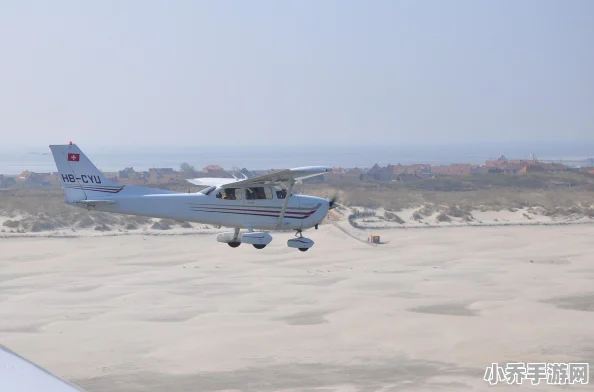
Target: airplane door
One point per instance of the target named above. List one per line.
(229, 202)
(261, 207)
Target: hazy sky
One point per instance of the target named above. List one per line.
(307, 72)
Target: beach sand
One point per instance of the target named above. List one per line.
(428, 311)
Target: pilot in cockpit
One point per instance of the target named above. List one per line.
(281, 193)
(228, 194)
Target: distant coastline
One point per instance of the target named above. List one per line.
(113, 158)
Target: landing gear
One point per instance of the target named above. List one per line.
(231, 239)
(301, 243)
(235, 238)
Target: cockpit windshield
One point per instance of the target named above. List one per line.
(207, 191)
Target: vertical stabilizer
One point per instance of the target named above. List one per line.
(80, 179)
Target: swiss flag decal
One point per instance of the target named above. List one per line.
(74, 157)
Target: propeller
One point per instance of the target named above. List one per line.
(332, 202)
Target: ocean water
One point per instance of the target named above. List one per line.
(39, 158)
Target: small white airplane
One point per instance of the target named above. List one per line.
(260, 203)
(18, 374)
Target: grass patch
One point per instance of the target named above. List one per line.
(442, 217)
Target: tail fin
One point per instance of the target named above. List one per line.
(80, 178)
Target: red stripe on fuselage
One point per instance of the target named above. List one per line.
(252, 210)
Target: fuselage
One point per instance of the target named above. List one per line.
(240, 208)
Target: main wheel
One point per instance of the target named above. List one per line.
(303, 249)
(259, 246)
(234, 244)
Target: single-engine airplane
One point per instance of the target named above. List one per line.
(259, 203)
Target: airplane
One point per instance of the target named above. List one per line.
(18, 374)
(259, 203)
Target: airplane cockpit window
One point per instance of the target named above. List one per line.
(229, 194)
(208, 191)
(281, 193)
(258, 193)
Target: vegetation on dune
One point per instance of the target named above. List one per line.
(390, 216)
(543, 180)
(443, 217)
(417, 216)
(556, 194)
(553, 194)
(495, 199)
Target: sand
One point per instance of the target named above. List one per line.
(428, 311)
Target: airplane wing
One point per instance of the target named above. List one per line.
(287, 175)
(17, 374)
(211, 181)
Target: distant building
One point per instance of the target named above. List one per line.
(213, 168)
(7, 182)
(514, 168)
(406, 177)
(127, 173)
(415, 169)
(455, 169)
(24, 175)
(395, 172)
(520, 166)
(532, 167)
(484, 169)
(382, 173)
(157, 173)
(39, 180)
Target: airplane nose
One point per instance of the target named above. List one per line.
(332, 203)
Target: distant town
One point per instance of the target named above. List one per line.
(398, 173)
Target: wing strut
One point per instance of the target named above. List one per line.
(286, 203)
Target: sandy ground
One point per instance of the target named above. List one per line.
(428, 311)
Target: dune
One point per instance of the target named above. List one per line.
(431, 309)
(380, 218)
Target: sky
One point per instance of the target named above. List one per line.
(242, 73)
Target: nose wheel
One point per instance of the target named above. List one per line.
(301, 243)
(299, 234)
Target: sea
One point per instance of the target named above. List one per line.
(113, 158)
